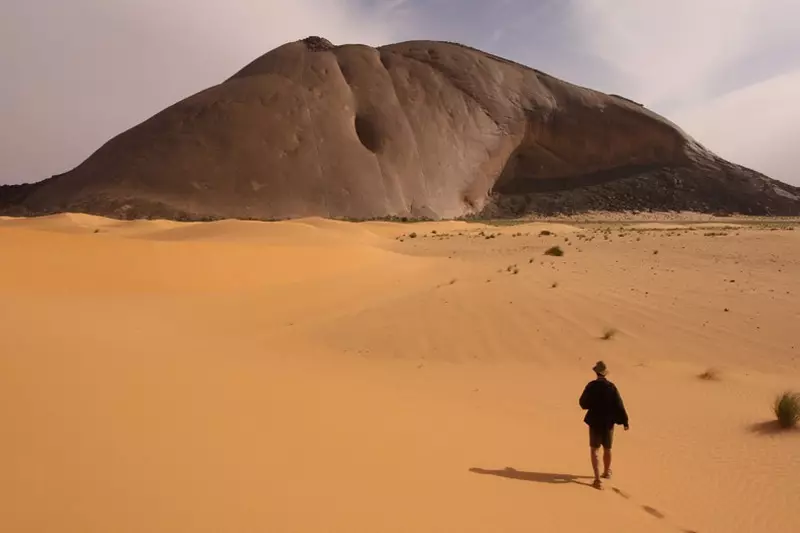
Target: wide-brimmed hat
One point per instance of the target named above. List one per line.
(600, 368)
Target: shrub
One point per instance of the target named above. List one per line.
(787, 409)
(412, 235)
(545, 233)
(554, 251)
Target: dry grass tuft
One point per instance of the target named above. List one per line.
(609, 334)
(712, 374)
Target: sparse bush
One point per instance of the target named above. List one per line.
(787, 409)
(554, 251)
(609, 334)
(712, 374)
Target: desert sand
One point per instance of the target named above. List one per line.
(313, 375)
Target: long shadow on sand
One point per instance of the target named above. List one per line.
(535, 477)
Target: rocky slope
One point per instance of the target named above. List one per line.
(415, 129)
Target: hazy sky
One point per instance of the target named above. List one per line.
(74, 73)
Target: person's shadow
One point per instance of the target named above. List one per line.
(535, 477)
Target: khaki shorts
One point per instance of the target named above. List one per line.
(601, 437)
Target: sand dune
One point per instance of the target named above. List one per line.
(325, 376)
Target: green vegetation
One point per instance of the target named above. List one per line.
(787, 409)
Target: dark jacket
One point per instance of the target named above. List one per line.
(604, 404)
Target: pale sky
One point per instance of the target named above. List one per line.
(74, 73)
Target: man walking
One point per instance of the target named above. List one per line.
(604, 408)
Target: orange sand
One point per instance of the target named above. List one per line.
(322, 376)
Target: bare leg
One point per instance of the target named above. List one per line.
(596, 463)
(606, 461)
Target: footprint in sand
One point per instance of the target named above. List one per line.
(623, 494)
(653, 511)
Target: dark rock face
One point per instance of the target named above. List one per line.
(416, 129)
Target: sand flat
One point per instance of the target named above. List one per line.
(325, 376)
